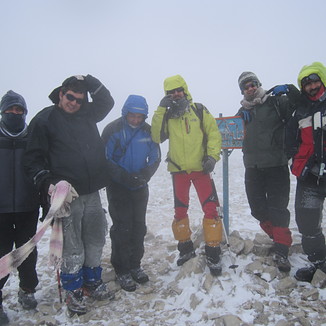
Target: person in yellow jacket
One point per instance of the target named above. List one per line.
(194, 149)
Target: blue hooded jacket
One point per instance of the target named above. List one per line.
(131, 148)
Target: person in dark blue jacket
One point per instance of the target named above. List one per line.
(132, 158)
(19, 203)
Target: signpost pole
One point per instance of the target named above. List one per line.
(232, 131)
(225, 154)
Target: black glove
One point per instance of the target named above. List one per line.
(42, 184)
(133, 181)
(93, 85)
(208, 164)
(167, 101)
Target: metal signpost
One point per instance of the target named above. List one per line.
(232, 131)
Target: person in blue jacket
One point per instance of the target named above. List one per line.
(132, 158)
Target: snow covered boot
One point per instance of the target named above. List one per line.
(74, 302)
(186, 250)
(97, 290)
(213, 260)
(306, 274)
(281, 262)
(26, 299)
(126, 282)
(4, 320)
(139, 275)
(280, 257)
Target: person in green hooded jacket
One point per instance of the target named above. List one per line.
(194, 149)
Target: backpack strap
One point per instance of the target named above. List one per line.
(199, 108)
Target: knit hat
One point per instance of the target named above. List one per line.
(135, 104)
(10, 99)
(246, 77)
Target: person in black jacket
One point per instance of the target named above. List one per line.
(19, 201)
(267, 177)
(64, 144)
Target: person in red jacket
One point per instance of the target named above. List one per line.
(306, 144)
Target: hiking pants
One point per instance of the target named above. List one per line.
(268, 191)
(84, 232)
(309, 201)
(127, 209)
(15, 230)
(205, 189)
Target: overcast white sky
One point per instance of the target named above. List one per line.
(133, 45)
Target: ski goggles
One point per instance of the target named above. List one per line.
(309, 79)
(172, 91)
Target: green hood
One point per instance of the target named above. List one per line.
(315, 68)
(176, 82)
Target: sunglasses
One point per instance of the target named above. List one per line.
(72, 98)
(172, 91)
(251, 85)
(309, 79)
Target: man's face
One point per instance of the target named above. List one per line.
(70, 102)
(312, 88)
(250, 89)
(176, 93)
(135, 119)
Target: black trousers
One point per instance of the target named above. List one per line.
(15, 230)
(127, 209)
(309, 202)
(268, 194)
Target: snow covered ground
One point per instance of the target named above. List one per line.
(186, 295)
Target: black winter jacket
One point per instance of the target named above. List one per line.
(264, 143)
(69, 146)
(17, 192)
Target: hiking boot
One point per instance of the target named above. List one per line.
(306, 274)
(27, 299)
(4, 320)
(126, 282)
(187, 252)
(74, 302)
(213, 260)
(98, 291)
(281, 262)
(139, 275)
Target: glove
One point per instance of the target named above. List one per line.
(167, 101)
(93, 85)
(132, 181)
(208, 164)
(245, 115)
(280, 89)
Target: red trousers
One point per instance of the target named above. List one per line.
(205, 189)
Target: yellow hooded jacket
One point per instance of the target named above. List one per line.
(315, 68)
(186, 148)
